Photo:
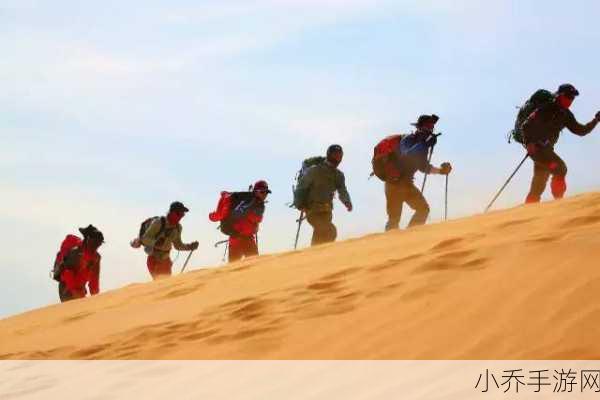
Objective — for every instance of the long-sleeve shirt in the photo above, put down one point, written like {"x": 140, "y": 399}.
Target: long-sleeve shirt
{"x": 411, "y": 156}
{"x": 247, "y": 216}
{"x": 161, "y": 237}
{"x": 543, "y": 126}
{"x": 318, "y": 186}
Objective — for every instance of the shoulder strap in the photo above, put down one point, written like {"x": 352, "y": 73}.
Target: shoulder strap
{"x": 163, "y": 227}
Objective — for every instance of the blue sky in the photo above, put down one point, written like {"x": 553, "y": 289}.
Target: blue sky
{"x": 112, "y": 110}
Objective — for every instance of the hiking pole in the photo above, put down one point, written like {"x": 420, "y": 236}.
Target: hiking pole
{"x": 446, "y": 200}
{"x": 506, "y": 183}
{"x": 435, "y": 136}
{"x": 427, "y": 173}
{"x": 226, "y": 241}
{"x": 299, "y": 221}
{"x": 186, "y": 262}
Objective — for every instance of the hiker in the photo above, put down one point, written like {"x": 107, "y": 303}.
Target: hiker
{"x": 397, "y": 158}
{"x": 246, "y": 217}
{"x": 78, "y": 264}
{"x": 161, "y": 234}
{"x": 315, "y": 191}
{"x": 541, "y": 131}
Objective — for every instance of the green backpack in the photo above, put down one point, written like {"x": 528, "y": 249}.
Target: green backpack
{"x": 538, "y": 99}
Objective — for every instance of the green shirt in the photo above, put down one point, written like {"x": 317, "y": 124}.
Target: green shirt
{"x": 318, "y": 186}
{"x": 158, "y": 244}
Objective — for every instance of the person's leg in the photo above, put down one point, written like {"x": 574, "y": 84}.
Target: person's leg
{"x": 323, "y": 229}
{"x": 159, "y": 267}
{"x": 416, "y": 201}
{"x": 250, "y": 247}
{"x": 538, "y": 182}
{"x": 393, "y": 197}
{"x": 546, "y": 163}
{"x": 330, "y": 229}
{"x": 63, "y": 293}
{"x": 236, "y": 250}
{"x": 558, "y": 169}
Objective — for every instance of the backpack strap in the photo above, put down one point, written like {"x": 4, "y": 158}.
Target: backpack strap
{"x": 163, "y": 223}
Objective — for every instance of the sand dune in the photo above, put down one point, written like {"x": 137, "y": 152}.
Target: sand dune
{"x": 516, "y": 284}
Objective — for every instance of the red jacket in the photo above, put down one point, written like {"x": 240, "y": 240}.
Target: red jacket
{"x": 247, "y": 217}
{"x": 79, "y": 269}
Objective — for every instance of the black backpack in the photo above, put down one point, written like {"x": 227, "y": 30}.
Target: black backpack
{"x": 540, "y": 98}
{"x": 146, "y": 224}
{"x": 236, "y": 199}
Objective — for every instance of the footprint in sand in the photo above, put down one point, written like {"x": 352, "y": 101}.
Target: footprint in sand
{"x": 77, "y": 317}
{"x": 579, "y": 222}
{"x": 446, "y": 244}
{"x": 392, "y": 263}
{"x": 254, "y": 309}
{"x": 515, "y": 222}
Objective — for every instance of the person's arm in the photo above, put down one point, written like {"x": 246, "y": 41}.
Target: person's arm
{"x": 343, "y": 191}
{"x": 444, "y": 169}
{"x": 179, "y": 245}
{"x": 303, "y": 188}
{"x": 94, "y": 284}
{"x": 579, "y": 129}
{"x": 150, "y": 236}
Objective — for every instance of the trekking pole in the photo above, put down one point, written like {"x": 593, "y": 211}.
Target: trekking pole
{"x": 225, "y": 252}
{"x": 427, "y": 173}
{"x": 226, "y": 242}
{"x": 446, "y": 200}
{"x": 186, "y": 262}
{"x": 506, "y": 183}
{"x": 429, "y": 160}
{"x": 299, "y": 221}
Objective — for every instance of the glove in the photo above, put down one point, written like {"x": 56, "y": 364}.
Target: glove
{"x": 194, "y": 246}
{"x": 445, "y": 168}
{"x": 348, "y": 206}
{"x": 532, "y": 148}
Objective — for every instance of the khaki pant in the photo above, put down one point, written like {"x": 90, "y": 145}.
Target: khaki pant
{"x": 546, "y": 163}
{"x": 324, "y": 231}
{"x": 398, "y": 193}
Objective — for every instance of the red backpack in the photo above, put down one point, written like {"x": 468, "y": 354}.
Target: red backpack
{"x": 384, "y": 156}
{"x": 228, "y": 202}
{"x": 69, "y": 243}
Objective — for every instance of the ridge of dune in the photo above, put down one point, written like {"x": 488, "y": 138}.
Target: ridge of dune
{"x": 522, "y": 283}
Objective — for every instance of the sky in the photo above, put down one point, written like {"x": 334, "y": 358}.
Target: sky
{"x": 112, "y": 110}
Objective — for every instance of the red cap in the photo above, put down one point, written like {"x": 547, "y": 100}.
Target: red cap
{"x": 261, "y": 186}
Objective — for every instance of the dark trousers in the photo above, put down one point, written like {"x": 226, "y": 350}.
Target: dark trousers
{"x": 398, "y": 193}
{"x": 65, "y": 294}
{"x": 324, "y": 231}
{"x": 242, "y": 246}
{"x": 545, "y": 163}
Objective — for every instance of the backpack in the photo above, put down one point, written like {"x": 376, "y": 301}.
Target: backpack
{"x": 228, "y": 202}
{"x": 384, "y": 155}
{"x": 69, "y": 243}
{"x": 137, "y": 242}
{"x": 538, "y": 99}
{"x": 306, "y": 165}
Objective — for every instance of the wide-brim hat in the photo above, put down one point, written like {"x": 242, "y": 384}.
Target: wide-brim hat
{"x": 423, "y": 119}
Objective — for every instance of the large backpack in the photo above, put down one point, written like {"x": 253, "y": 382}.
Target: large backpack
{"x": 227, "y": 203}
{"x": 69, "y": 243}
{"x": 384, "y": 156}
{"x": 306, "y": 165}
{"x": 538, "y": 99}
{"x": 137, "y": 242}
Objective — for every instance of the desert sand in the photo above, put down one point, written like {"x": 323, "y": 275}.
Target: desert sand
{"x": 514, "y": 284}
